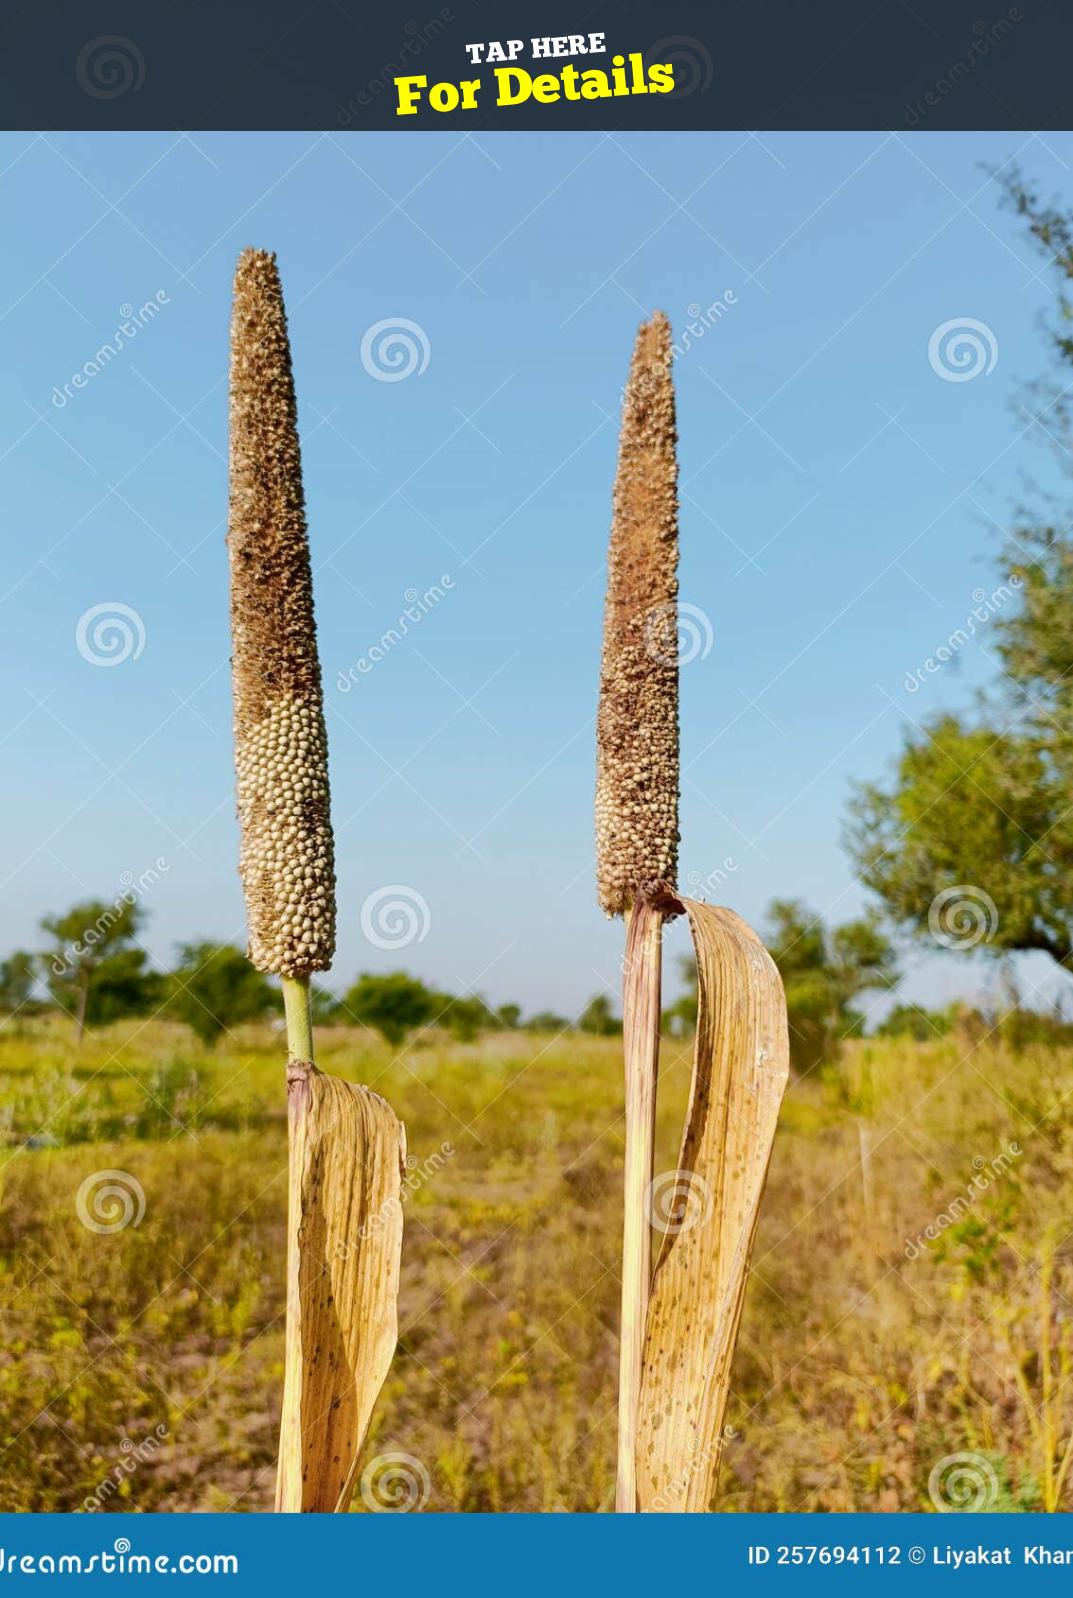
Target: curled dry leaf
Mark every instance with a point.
(740, 1067)
(345, 1215)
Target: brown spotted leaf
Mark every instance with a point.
(345, 1208)
(709, 1212)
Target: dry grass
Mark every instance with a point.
(857, 1370)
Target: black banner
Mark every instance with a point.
(343, 64)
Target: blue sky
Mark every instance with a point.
(841, 503)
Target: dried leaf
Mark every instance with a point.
(740, 1068)
(347, 1154)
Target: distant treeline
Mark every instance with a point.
(94, 969)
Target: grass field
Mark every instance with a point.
(141, 1367)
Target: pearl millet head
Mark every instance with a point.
(637, 722)
(281, 751)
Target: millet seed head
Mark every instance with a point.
(637, 722)
(281, 750)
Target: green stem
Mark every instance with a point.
(299, 1013)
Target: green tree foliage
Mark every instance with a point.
(508, 1016)
(596, 1018)
(547, 1021)
(393, 1004)
(94, 970)
(215, 987)
(984, 801)
(922, 1026)
(463, 1017)
(17, 976)
(823, 972)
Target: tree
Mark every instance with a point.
(922, 1026)
(597, 1019)
(681, 1016)
(547, 1021)
(214, 987)
(393, 1004)
(823, 972)
(971, 841)
(18, 974)
(508, 1016)
(94, 971)
(968, 843)
(465, 1016)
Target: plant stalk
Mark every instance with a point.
(641, 997)
(298, 1012)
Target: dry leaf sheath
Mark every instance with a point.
(741, 1060)
(637, 799)
(344, 1221)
